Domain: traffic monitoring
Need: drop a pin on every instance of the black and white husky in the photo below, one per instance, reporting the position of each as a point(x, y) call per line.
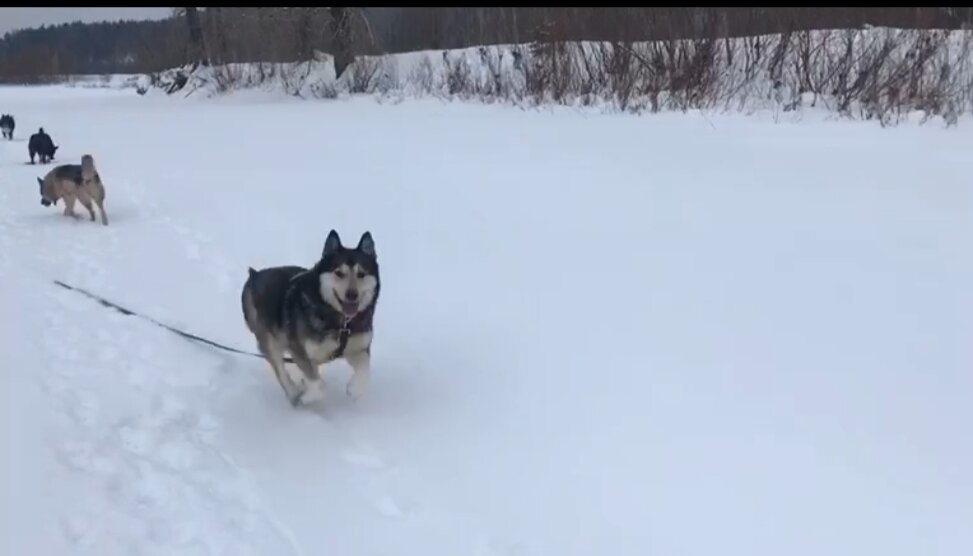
point(316, 315)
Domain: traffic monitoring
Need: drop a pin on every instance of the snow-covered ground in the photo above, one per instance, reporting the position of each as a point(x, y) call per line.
point(668, 335)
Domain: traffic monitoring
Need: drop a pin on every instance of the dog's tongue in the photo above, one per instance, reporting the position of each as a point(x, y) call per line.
point(349, 309)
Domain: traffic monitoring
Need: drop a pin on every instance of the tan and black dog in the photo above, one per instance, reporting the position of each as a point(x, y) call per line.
point(75, 182)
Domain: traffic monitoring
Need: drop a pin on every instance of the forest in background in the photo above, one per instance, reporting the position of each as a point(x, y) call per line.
point(219, 35)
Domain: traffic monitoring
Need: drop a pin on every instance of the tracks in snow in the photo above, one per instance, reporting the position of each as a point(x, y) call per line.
point(166, 443)
point(125, 406)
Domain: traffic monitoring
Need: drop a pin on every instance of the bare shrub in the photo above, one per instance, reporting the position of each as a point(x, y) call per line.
point(387, 76)
point(324, 90)
point(228, 77)
point(363, 72)
point(458, 75)
point(294, 78)
point(613, 71)
point(491, 59)
point(633, 58)
point(422, 77)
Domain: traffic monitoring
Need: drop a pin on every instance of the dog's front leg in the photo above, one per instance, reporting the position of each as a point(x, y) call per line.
point(69, 206)
point(313, 388)
point(361, 363)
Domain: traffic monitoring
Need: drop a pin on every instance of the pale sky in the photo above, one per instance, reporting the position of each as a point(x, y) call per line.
point(12, 19)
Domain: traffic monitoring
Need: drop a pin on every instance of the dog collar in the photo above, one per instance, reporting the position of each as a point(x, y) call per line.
point(344, 333)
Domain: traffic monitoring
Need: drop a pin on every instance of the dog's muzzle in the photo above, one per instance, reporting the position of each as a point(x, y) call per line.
point(45, 202)
point(348, 306)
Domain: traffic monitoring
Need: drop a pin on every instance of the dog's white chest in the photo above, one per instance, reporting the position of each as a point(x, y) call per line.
point(322, 352)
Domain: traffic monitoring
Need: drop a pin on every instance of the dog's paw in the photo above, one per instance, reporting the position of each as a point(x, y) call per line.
point(356, 387)
point(295, 400)
point(313, 392)
point(295, 375)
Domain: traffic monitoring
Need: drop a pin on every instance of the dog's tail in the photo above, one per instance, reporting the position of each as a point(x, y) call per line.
point(246, 300)
point(88, 167)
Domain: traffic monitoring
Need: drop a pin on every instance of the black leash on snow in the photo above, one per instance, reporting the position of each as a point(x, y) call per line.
point(183, 333)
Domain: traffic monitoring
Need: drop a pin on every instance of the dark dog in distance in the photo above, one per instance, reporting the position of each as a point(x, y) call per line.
point(41, 145)
point(7, 126)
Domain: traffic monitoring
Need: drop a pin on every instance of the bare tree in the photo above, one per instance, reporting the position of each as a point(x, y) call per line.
point(218, 25)
point(304, 32)
point(341, 31)
point(197, 46)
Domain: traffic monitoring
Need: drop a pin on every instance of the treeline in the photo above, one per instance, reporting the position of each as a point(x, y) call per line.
point(404, 29)
point(92, 48)
point(294, 34)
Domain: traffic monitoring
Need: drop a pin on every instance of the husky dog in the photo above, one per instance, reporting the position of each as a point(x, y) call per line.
point(74, 182)
point(40, 144)
point(317, 315)
point(7, 125)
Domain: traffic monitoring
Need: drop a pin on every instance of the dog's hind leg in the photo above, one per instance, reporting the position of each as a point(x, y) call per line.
point(101, 206)
point(86, 202)
point(275, 357)
point(99, 197)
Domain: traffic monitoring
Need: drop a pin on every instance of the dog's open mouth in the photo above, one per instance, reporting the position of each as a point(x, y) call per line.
point(349, 308)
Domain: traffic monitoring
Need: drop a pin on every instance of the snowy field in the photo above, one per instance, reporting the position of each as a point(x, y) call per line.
point(670, 335)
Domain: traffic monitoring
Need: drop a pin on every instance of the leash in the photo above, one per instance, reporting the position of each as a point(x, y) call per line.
point(343, 334)
point(183, 333)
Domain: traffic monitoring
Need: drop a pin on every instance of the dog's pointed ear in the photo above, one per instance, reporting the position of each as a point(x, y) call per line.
point(331, 245)
point(40, 181)
point(367, 245)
